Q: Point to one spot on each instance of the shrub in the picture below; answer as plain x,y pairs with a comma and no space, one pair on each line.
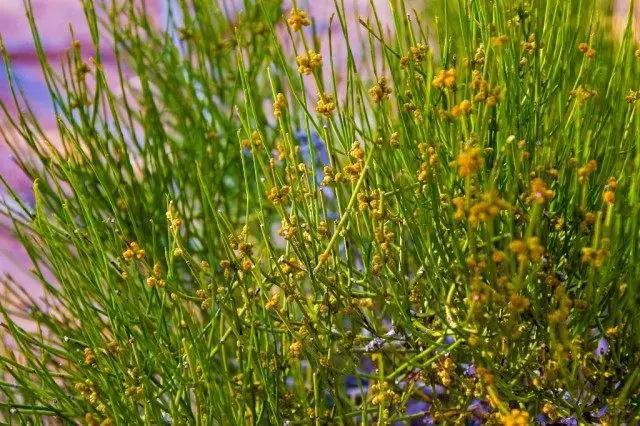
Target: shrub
232,228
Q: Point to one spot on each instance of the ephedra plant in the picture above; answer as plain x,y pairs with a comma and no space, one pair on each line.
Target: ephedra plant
234,226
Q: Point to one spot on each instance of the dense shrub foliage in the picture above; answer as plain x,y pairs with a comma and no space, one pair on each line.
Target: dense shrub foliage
231,227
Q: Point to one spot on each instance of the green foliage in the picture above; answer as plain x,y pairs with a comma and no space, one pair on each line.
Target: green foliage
232,228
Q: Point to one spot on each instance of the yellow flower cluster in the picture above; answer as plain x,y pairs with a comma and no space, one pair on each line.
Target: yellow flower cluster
309,62
89,357
278,196
254,143
531,250
380,91
469,160
594,257
515,417
156,280
326,104
539,192
586,170
279,104
609,194
298,19
330,177
518,303
530,45
445,370
587,50
565,303
582,94
463,108
383,395
483,93
430,157
295,349
133,251
445,79
482,211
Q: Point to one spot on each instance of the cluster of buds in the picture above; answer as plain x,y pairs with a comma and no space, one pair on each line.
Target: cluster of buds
485,375
326,104
278,196
514,417
417,54
173,218
445,369
384,239
469,160
483,211
380,261
586,170
206,301
272,303
479,57
518,303
380,91
288,228
463,108
279,104
445,79
582,94
89,357
529,46
609,193
587,50
89,392
133,387
565,304
531,250
596,257
477,263
370,201
430,160
540,193
309,62
298,19
381,394
295,349
632,96
156,279
255,143
238,243
354,170
330,177
587,222
499,41
483,93
293,267
480,293
113,347
134,251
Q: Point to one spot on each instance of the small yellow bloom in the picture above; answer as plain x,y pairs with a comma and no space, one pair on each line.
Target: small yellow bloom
469,161
298,19
309,62
380,91
325,105
515,417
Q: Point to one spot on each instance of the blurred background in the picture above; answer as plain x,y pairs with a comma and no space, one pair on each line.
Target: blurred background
54,18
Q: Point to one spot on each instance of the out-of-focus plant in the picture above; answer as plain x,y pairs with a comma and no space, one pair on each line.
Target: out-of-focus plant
228,235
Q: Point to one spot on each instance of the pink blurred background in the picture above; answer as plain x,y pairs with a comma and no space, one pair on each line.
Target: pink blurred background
54,17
